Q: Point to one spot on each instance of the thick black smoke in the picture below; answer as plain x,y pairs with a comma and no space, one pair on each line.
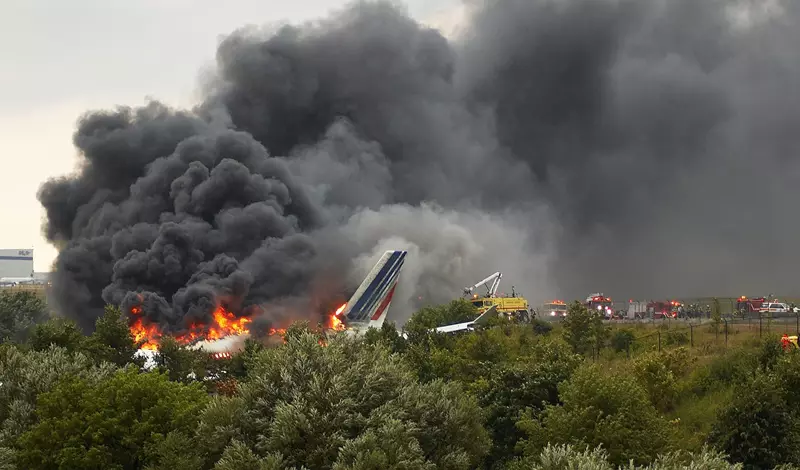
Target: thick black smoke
642,148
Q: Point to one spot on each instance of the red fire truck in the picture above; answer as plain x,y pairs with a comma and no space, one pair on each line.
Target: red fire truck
664,309
600,303
746,305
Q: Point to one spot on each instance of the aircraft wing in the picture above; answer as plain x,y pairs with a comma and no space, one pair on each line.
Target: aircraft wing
470,325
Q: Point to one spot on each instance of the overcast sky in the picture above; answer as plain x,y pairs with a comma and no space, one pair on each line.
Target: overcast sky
61,58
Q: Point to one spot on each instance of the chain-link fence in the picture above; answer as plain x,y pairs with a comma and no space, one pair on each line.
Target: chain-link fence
633,337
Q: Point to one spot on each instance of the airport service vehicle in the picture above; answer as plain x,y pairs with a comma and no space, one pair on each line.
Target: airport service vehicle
555,309
513,306
777,307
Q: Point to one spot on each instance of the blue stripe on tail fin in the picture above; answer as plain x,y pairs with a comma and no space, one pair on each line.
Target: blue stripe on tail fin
372,298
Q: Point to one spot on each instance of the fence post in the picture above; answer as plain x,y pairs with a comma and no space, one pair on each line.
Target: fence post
726,333
659,340
760,324
691,334
797,321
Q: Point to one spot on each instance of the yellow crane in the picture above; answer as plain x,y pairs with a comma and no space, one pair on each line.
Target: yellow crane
513,306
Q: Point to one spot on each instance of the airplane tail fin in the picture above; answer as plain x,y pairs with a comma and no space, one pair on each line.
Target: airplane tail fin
370,303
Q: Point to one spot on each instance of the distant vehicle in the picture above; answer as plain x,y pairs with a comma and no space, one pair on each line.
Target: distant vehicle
14,281
555,309
513,306
665,309
747,305
601,303
777,307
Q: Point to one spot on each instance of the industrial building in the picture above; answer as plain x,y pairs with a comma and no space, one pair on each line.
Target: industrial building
17,263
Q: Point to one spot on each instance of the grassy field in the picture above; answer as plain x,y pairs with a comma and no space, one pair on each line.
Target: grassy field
703,339
718,358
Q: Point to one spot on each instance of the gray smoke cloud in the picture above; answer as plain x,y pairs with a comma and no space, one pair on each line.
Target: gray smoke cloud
641,148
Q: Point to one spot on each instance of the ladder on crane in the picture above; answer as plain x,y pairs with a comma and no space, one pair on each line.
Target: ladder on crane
491,290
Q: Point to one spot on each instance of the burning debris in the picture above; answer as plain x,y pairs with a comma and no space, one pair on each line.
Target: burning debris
219,338
224,324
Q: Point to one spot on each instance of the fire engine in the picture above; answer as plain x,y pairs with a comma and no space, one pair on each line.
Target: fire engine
600,303
746,305
513,306
664,309
555,309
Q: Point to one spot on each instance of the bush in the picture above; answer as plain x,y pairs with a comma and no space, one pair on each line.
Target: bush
600,409
758,428
583,328
734,367
621,340
676,338
657,380
541,327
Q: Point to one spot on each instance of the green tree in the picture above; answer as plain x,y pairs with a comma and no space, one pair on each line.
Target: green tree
117,423
179,362
26,374
600,409
308,402
391,446
19,312
112,340
57,331
176,452
238,456
426,318
758,428
716,314
576,457
583,328
388,335
512,388
239,365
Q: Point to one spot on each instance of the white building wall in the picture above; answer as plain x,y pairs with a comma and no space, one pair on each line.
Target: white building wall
16,262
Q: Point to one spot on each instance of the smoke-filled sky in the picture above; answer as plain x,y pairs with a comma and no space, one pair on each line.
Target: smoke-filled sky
641,148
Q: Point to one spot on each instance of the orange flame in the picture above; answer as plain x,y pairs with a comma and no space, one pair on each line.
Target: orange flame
224,323
334,323
145,333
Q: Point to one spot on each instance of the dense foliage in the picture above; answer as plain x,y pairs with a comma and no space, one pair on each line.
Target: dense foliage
580,395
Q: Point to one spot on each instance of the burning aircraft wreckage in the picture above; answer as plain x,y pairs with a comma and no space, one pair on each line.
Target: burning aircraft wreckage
367,308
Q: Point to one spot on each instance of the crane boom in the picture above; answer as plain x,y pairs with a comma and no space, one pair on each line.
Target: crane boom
494,279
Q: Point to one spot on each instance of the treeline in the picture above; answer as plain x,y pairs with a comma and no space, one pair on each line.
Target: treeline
525,396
